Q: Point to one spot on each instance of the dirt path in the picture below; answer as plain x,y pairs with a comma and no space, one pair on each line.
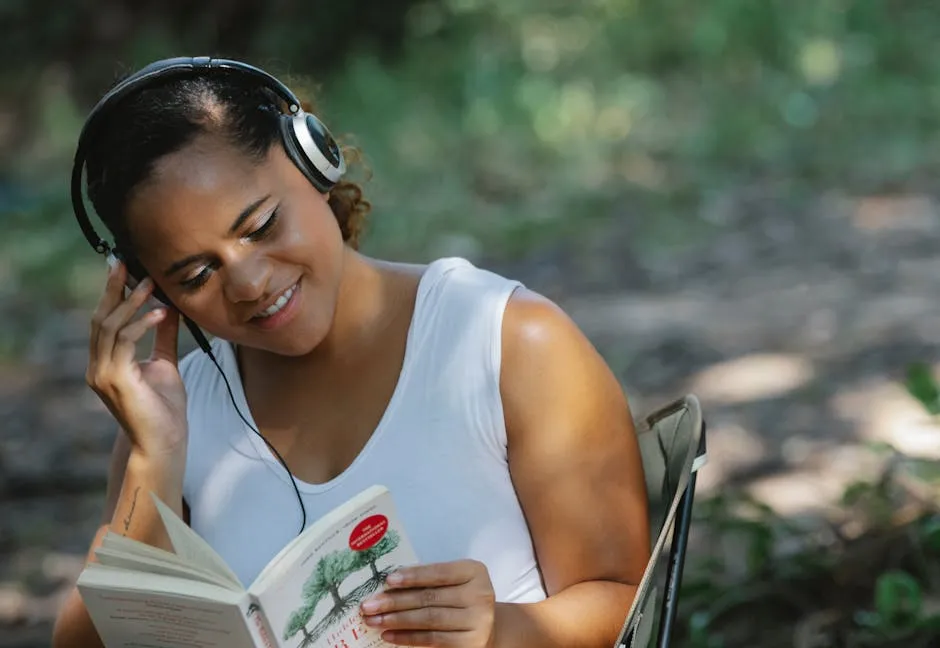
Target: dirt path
794,328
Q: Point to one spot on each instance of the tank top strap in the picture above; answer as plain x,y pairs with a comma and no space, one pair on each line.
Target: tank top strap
458,340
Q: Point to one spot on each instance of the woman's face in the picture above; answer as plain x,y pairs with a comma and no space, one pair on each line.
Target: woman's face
251,252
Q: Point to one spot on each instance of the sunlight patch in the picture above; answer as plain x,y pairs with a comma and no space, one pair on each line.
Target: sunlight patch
904,213
883,411
751,378
798,493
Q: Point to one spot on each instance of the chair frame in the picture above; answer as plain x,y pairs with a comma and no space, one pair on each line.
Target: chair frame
680,544
676,527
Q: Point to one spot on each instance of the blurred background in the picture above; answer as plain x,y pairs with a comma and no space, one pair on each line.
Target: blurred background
731,197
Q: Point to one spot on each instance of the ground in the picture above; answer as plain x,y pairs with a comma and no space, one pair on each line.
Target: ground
793,323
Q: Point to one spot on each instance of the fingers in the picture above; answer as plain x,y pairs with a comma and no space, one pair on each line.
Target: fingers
112,296
114,332
118,318
444,604
124,351
414,598
166,340
428,638
435,574
423,618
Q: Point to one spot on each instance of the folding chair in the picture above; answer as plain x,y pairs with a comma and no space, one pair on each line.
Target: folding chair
673,449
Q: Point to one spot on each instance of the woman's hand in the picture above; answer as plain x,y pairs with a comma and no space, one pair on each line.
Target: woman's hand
147,398
443,604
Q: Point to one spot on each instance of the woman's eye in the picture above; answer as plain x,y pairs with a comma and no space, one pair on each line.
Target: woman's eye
265,228
197,280
261,232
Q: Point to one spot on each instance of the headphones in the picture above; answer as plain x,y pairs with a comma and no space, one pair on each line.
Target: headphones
306,141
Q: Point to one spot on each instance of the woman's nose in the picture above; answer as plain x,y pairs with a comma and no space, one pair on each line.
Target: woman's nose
247,279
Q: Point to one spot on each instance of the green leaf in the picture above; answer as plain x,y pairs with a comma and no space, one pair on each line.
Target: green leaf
930,534
760,549
855,491
922,385
898,598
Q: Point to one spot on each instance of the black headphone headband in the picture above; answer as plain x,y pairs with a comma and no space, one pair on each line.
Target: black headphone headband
172,67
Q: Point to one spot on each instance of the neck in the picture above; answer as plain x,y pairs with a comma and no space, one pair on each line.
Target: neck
364,302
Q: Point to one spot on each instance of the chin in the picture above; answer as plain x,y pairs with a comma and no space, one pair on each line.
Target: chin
295,341
296,347
293,348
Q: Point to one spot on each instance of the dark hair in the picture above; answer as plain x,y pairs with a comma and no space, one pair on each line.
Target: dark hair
161,119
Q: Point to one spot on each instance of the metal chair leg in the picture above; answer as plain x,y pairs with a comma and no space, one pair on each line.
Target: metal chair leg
680,541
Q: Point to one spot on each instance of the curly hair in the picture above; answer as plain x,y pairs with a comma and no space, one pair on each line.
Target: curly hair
163,118
349,204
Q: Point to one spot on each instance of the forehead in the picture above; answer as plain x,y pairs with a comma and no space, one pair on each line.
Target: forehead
193,193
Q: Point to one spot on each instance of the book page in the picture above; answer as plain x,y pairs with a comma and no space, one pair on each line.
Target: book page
189,546
128,615
313,602
136,563
139,555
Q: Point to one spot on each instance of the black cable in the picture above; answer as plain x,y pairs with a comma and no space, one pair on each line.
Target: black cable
277,454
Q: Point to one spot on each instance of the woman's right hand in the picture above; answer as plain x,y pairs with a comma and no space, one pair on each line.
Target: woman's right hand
147,398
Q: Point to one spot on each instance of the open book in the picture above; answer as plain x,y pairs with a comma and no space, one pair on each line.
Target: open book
308,596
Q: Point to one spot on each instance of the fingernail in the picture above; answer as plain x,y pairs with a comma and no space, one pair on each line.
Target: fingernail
370,606
373,620
395,579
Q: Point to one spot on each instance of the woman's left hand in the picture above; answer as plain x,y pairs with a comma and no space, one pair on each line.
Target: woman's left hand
442,604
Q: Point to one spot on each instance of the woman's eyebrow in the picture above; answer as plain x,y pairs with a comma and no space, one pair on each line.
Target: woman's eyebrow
245,214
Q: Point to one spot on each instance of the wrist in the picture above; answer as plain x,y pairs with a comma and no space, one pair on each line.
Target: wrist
163,466
511,626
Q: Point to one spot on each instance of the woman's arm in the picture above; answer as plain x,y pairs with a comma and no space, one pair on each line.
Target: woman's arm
148,399
575,463
576,466
128,510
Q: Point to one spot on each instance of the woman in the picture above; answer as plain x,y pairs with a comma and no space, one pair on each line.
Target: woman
505,440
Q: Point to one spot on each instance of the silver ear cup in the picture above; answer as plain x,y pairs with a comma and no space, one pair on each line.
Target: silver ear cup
301,126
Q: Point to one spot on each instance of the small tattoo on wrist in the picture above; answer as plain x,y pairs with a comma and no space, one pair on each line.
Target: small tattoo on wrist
130,514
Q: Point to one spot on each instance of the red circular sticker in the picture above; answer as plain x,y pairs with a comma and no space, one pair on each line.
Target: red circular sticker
368,532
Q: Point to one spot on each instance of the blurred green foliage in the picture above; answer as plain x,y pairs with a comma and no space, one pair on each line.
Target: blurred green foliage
495,127
922,385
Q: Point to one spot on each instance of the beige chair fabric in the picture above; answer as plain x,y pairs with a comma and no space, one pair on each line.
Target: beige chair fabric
672,446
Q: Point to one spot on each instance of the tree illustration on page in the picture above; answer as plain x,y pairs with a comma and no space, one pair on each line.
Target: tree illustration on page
369,541
369,556
331,570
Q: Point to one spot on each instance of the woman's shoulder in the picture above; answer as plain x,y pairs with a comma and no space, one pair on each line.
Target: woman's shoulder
459,271
447,282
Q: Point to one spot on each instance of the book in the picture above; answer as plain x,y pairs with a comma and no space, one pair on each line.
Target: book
307,596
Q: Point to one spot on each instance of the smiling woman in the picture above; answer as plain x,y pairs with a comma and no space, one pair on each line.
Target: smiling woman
457,388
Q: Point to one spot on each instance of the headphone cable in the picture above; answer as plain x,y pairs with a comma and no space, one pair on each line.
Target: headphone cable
277,454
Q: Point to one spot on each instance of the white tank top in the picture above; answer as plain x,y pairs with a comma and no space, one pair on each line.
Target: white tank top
440,447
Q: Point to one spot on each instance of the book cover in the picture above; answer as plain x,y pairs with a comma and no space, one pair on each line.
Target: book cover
316,605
